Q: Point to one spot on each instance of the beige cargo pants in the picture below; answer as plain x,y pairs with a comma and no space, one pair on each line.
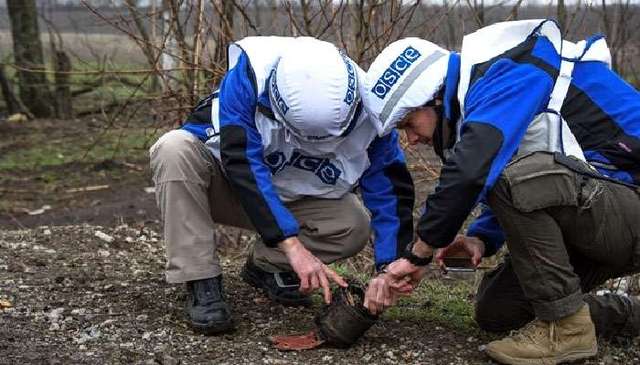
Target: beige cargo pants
193,195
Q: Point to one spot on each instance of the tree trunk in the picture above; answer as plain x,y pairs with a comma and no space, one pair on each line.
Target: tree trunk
64,106
9,99
14,105
27,49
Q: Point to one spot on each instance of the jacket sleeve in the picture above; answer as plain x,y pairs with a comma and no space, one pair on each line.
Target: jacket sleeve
498,110
487,228
387,191
198,122
241,151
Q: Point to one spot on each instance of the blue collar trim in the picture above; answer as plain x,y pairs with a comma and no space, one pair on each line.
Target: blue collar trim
451,87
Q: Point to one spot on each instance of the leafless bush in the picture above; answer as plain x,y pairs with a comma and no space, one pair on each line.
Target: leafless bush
179,50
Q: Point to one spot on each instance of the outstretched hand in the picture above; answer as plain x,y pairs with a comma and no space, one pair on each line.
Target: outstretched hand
399,279
313,273
406,275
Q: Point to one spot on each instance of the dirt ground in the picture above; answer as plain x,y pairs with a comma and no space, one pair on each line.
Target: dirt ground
79,299
82,283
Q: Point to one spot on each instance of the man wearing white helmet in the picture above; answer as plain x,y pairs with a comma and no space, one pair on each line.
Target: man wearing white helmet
549,146
279,149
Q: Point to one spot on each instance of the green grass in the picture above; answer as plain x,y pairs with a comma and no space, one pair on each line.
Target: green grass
44,150
346,271
443,303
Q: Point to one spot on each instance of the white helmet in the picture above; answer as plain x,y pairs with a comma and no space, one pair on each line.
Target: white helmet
406,75
314,91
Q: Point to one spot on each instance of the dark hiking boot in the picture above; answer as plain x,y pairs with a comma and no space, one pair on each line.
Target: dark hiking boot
281,287
206,309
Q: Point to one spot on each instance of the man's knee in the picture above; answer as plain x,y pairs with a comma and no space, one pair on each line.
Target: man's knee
177,156
349,228
485,316
357,228
500,303
491,316
171,145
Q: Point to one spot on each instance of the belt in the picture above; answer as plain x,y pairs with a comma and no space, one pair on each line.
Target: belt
582,168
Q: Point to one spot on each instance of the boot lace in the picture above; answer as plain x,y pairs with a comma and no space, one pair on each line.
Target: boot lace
536,331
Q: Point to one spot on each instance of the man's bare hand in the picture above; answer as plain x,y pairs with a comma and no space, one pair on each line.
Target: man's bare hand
313,273
472,246
405,274
379,295
400,278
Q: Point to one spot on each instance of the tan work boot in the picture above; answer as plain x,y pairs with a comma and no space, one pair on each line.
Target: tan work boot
539,342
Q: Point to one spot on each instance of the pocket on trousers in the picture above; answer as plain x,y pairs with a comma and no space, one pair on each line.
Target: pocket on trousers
544,189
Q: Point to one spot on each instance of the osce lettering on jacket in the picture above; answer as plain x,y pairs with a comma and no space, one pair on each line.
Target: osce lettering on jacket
326,171
284,108
391,75
351,87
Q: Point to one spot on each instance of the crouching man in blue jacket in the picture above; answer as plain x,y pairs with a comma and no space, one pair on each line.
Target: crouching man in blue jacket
279,149
546,138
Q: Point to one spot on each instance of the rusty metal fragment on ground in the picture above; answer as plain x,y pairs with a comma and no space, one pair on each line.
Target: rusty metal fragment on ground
306,341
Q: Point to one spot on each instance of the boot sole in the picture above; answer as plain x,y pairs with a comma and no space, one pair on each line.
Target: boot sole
569,357
213,329
259,284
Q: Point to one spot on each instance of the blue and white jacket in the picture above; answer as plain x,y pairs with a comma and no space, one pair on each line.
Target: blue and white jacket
510,92
267,166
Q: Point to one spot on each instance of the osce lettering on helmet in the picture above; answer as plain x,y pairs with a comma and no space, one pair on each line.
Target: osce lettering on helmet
326,171
391,75
282,106
351,81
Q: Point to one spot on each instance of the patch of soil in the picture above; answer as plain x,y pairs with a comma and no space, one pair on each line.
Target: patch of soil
114,188
77,298
120,202
116,200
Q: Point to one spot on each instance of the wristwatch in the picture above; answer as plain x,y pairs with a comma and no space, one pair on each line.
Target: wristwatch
414,259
